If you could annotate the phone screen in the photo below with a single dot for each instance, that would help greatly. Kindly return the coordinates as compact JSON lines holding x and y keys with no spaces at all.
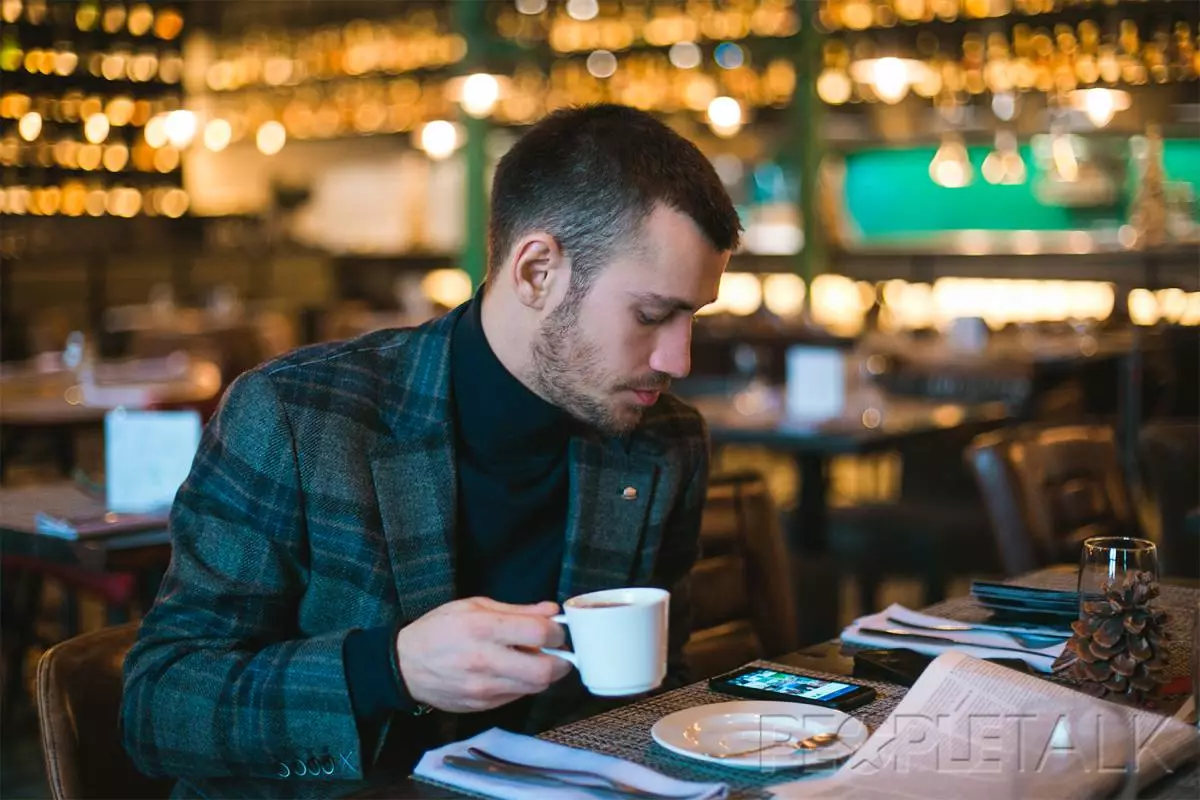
{"x":795,"y":685}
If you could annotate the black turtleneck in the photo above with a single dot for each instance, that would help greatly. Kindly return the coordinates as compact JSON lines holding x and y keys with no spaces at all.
{"x":513,"y":477}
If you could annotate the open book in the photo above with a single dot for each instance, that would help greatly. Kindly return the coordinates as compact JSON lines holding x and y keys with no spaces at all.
{"x":971,"y":729}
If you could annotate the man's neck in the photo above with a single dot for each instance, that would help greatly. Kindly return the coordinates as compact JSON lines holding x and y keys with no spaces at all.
{"x":509,"y":342}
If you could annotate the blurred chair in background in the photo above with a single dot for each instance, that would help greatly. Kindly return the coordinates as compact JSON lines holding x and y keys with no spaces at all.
{"x":742,"y":600}
{"x":1170,"y":459}
{"x":24,"y":580}
{"x":1046,"y":489}
{"x":79,"y":685}
{"x":934,"y":529}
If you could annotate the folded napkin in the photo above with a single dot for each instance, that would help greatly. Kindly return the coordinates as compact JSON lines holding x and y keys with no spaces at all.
{"x":538,"y":752}
{"x":978,"y":643}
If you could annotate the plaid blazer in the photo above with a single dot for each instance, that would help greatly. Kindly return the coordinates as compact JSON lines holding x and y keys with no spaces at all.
{"x":323,"y":499}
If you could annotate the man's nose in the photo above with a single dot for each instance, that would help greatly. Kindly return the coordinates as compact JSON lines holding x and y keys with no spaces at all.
{"x":673,"y":352}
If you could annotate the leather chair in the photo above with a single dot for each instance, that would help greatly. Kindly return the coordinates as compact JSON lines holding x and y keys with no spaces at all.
{"x":741,"y":587}
{"x":79,"y":684}
{"x":1170,"y":461}
{"x":1046,"y":489}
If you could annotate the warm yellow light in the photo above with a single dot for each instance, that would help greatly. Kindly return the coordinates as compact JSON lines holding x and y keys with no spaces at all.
{"x":583,"y":10}
{"x":141,"y":17}
{"x":180,"y":127}
{"x":30,"y":126}
{"x":783,"y":294}
{"x":166,"y":159}
{"x":834,"y":87}
{"x":156,"y":131}
{"x":438,"y":139}
{"x":725,"y":116}
{"x":1100,"y":104}
{"x":96,"y":204}
{"x":1143,"y":307}
{"x":175,"y":203}
{"x":447,"y":287}
{"x":1173,"y":303}
{"x":889,"y":77}
{"x":479,"y":94}
{"x":74,"y":199}
{"x":271,"y":138}
{"x":65,"y":62}
{"x":217,"y":135}
{"x":836,"y":303}
{"x":951,"y":167}
{"x":740,"y":293}
{"x":116,"y":157}
{"x":1004,"y":164}
{"x":119,"y":111}
{"x":95,"y":130}
{"x":1191,"y":314}
{"x":90,"y":156}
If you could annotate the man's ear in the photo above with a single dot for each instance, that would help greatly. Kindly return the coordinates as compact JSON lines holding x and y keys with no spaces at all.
{"x":538,"y":266}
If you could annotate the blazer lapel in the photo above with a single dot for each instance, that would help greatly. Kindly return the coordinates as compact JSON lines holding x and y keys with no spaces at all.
{"x":608,"y":541}
{"x":416,"y":487}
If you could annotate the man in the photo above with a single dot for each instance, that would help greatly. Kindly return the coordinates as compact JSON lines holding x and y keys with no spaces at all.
{"x":375,"y":534}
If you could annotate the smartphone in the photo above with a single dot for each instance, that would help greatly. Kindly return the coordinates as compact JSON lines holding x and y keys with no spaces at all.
{"x":760,"y":683}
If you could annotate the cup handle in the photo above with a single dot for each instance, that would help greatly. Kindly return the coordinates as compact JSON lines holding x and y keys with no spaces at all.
{"x":565,"y":655}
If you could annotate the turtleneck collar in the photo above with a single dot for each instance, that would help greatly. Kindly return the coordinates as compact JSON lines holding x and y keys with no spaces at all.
{"x":499,"y":419}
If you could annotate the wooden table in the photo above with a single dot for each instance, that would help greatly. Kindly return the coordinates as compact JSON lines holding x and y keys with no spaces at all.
{"x":830,"y":657}
{"x":46,"y":400}
{"x":145,"y":554}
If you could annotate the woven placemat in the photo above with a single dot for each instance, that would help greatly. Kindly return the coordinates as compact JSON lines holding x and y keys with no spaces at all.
{"x":625,"y":733}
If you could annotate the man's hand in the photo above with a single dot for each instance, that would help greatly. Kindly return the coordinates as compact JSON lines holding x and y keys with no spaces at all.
{"x":477,"y":654}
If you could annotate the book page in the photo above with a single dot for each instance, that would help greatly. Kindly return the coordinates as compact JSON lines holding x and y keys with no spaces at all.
{"x":970,"y":728}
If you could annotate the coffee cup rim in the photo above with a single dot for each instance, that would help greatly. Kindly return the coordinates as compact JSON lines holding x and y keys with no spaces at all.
{"x":651,"y":595}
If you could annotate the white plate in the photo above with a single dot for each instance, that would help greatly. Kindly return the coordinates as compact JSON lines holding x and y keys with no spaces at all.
{"x":705,"y":732}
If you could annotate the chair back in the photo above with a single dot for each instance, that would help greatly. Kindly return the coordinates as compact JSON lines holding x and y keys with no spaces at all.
{"x":1046,"y":489}
{"x":1170,"y":460}
{"x":742,"y":600}
{"x":79,"y":684}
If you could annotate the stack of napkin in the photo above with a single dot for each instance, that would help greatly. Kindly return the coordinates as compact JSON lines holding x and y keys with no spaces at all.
{"x":980,"y":643}
{"x":540,"y":753}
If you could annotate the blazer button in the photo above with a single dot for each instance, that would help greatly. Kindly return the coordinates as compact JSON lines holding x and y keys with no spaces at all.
{"x":629,"y":493}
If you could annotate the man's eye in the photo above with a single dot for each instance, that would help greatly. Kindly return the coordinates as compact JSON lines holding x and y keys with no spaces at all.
{"x":646,"y":319}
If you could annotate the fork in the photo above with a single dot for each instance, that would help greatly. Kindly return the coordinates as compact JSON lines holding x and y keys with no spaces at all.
{"x":516,"y":767}
{"x":1030,"y":640}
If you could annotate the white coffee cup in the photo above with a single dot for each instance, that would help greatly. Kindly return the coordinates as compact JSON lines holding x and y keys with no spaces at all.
{"x":619,"y":638}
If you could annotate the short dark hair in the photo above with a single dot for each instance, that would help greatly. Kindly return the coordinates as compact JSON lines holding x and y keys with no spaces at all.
{"x":590,"y":175}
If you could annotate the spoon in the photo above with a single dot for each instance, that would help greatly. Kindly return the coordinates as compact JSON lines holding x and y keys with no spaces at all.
{"x":814,"y":742}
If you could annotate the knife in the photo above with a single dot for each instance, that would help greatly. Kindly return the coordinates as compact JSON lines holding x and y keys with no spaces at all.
{"x":534,"y":778}
{"x":943,"y":640}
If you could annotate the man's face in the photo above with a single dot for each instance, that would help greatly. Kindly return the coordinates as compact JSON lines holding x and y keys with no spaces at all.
{"x":607,"y":356}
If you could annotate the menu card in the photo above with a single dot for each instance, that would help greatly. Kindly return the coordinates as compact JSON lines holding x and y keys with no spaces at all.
{"x":147,"y":456}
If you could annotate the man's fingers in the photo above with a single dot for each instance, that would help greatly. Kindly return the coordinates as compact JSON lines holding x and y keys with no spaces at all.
{"x":524,"y":672}
{"x":527,"y":631}
{"x":543,"y":609}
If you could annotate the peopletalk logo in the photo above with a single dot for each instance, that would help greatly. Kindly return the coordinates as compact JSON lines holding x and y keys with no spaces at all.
{"x":1091,"y":741}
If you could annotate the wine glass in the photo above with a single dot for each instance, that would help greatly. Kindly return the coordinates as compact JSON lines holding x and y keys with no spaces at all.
{"x":1108,"y":562}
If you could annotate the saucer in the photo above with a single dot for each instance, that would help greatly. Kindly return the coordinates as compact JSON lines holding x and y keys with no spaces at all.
{"x":704,"y":732}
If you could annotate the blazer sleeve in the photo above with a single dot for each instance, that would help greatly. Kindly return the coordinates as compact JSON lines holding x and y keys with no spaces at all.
{"x":681,"y":547}
{"x":221,"y":682}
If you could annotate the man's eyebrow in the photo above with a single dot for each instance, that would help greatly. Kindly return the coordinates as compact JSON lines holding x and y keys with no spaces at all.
{"x":663,"y":301}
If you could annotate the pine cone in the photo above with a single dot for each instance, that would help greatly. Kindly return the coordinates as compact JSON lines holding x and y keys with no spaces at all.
{"x":1118,"y":647}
